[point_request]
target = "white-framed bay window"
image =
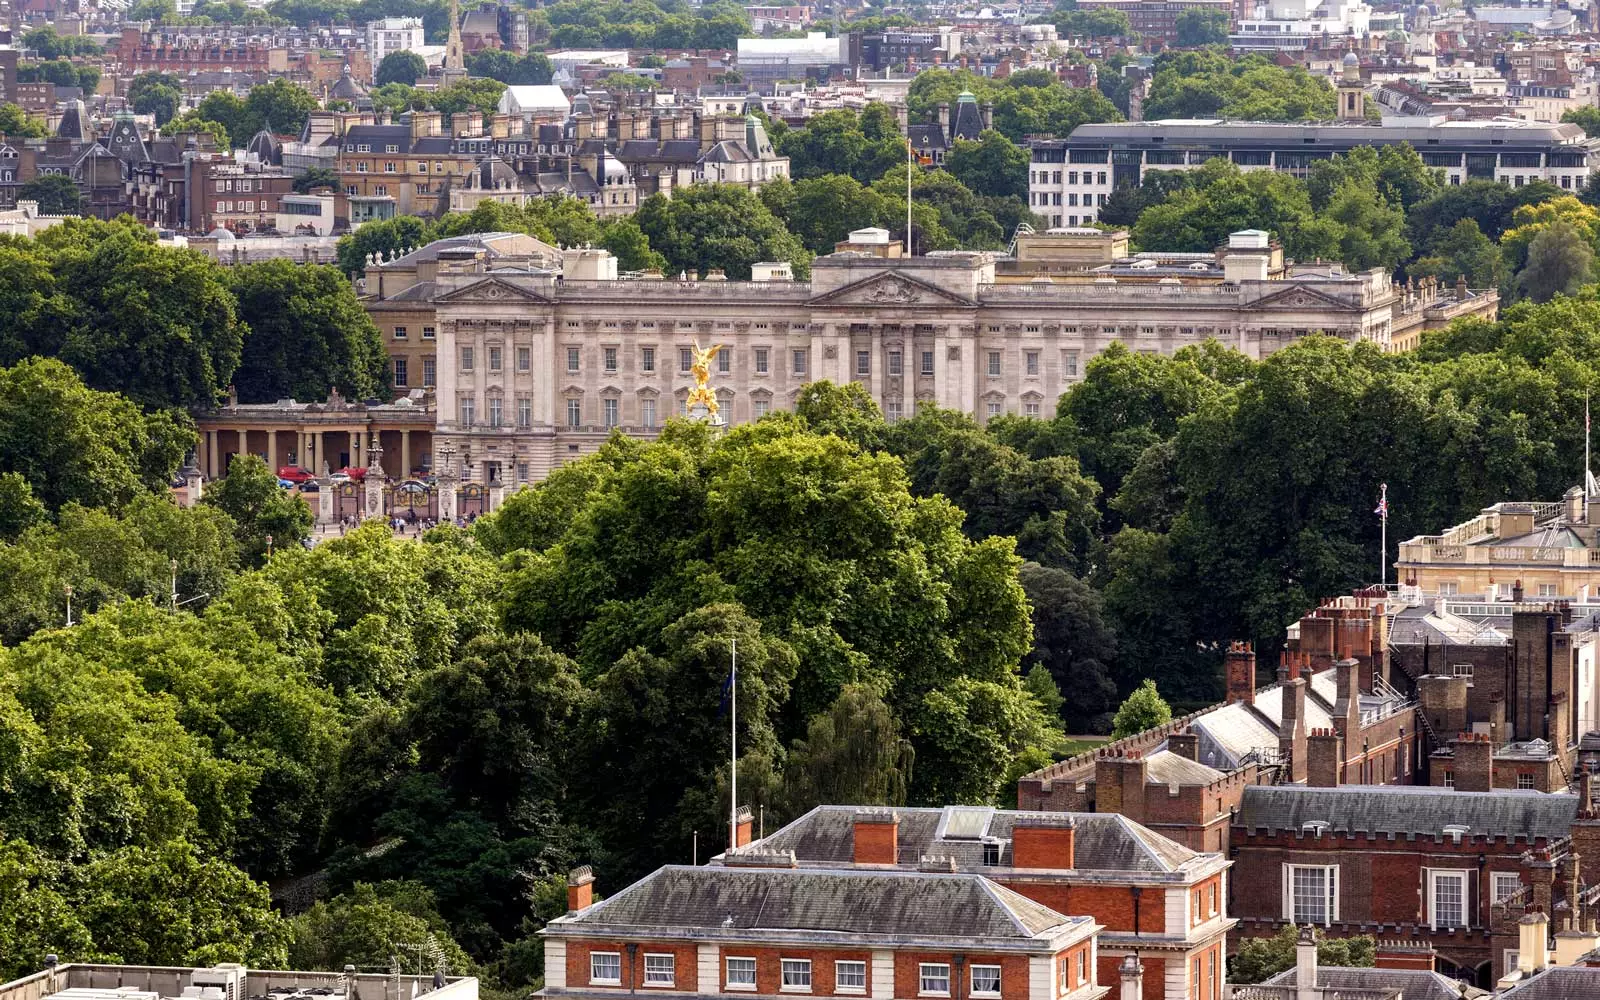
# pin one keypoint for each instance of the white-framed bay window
(1311, 894)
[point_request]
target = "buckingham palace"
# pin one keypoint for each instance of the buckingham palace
(535, 354)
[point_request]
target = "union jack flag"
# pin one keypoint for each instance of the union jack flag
(1382, 510)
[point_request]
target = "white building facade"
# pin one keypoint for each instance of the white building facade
(393, 34)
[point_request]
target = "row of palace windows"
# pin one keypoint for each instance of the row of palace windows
(611, 415)
(849, 976)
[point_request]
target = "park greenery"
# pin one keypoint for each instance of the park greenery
(435, 730)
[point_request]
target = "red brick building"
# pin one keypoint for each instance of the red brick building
(1158, 901)
(1451, 869)
(761, 924)
(1330, 719)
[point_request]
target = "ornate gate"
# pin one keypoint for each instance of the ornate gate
(411, 500)
(472, 499)
(346, 500)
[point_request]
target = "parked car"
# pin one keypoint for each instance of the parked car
(296, 473)
(354, 472)
(286, 484)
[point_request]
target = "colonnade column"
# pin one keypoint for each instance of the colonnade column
(405, 454)
(272, 449)
(244, 443)
(213, 467)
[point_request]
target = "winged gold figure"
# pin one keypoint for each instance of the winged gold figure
(701, 370)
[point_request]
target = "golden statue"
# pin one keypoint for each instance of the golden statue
(701, 369)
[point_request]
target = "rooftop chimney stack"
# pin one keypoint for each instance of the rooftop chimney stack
(580, 889)
(877, 837)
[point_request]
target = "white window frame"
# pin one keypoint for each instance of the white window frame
(1510, 881)
(1434, 877)
(727, 974)
(605, 980)
(1525, 781)
(924, 976)
(974, 981)
(671, 970)
(1331, 904)
(857, 967)
(792, 969)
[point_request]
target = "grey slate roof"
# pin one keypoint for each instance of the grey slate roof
(1102, 841)
(1408, 809)
(903, 904)
(1559, 983)
(1415, 984)
(1168, 768)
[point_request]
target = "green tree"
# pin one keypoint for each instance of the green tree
(1198, 26)
(157, 94)
(627, 242)
(388, 237)
(229, 111)
(1560, 262)
(260, 509)
(1371, 233)
(276, 106)
(1463, 252)
(508, 67)
(16, 124)
(403, 66)
(853, 754)
(57, 194)
(1072, 641)
(1141, 710)
(316, 177)
(36, 918)
(847, 410)
(169, 905)
(993, 165)
(1259, 959)
(155, 323)
(822, 211)
(1222, 199)
(367, 925)
(1586, 118)
(190, 121)
(1210, 84)
(723, 226)
(73, 444)
(841, 142)
(307, 332)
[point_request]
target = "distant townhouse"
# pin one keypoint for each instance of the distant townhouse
(763, 926)
(1070, 179)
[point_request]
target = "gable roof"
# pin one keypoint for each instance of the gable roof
(1101, 842)
(738, 901)
(1408, 809)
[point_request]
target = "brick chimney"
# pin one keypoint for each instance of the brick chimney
(877, 837)
(1119, 783)
(1324, 758)
(1347, 699)
(1185, 744)
(580, 889)
(1240, 668)
(743, 824)
(1043, 841)
(1473, 763)
(1316, 641)
(1292, 730)
(1497, 718)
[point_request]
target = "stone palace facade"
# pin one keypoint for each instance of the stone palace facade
(534, 358)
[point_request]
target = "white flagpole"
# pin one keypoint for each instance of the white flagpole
(909, 159)
(1383, 537)
(733, 749)
(1586, 445)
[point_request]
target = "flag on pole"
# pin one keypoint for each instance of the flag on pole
(1382, 510)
